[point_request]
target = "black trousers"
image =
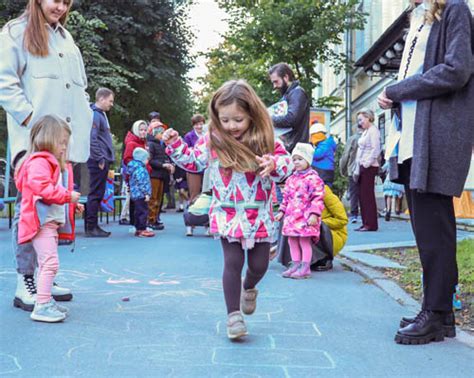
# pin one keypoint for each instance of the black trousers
(140, 209)
(434, 225)
(354, 197)
(97, 181)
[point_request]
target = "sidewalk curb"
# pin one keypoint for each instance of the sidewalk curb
(391, 288)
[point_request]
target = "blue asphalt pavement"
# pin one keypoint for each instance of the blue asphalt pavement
(155, 307)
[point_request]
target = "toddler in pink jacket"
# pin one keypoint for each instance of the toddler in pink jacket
(301, 207)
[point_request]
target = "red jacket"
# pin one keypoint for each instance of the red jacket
(37, 180)
(131, 142)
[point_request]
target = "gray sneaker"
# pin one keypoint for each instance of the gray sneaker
(47, 312)
(235, 325)
(248, 301)
(60, 308)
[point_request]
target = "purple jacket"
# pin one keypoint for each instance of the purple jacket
(191, 138)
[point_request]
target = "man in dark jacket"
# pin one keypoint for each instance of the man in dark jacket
(297, 116)
(101, 156)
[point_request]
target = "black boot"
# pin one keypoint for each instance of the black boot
(387, 216)
(322, 265)
(449, 324)
(96, 232)
(427, 327)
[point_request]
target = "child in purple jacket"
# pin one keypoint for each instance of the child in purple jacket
(302, 207)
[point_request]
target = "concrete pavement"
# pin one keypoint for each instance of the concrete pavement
(173, 323)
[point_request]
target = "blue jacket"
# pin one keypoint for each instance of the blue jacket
(324, 153)
(102, 148)
(139, 180)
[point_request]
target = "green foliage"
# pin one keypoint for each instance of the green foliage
(341, 183)
(265, 32)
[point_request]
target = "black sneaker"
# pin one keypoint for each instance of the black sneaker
(157, 226)
(449, 324)
(124, 222)
(427, 327)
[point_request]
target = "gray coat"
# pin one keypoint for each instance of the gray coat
(444, 123)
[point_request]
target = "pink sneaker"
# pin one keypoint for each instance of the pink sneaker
(303, 272)
(294, 265)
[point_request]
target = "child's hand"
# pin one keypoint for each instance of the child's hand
(75, 197)
(313, 220)
(170, 136)
(279, 216)
(79, 208)
(266, 163)
(147, 198)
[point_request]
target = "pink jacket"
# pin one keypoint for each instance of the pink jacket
(303, 195)
(37, 179)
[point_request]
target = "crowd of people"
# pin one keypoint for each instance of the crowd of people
(234, 172)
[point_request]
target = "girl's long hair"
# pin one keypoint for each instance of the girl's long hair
(36, 32)
(435, 11)
(257, 140)
(46, 135)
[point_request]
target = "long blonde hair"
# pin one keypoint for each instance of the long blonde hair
(435, 11)
(257, 140)
(36, 32)
(46, 134)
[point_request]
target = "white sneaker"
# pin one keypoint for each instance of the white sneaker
(25, 295)
(47, 312)
(189, 231)
(132, 230)
(60, 308)
(208, 231)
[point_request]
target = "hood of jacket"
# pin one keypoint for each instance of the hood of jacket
(21, 173)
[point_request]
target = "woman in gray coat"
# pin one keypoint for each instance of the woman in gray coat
(41, 72)
(435, 93)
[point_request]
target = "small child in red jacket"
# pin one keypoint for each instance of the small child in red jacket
(46, 185)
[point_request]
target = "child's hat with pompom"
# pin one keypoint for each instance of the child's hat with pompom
(305, 150)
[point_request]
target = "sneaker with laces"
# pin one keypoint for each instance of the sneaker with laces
(145, 234)
(60, 308)
(47, 312)
(248, 301)
(236, 327)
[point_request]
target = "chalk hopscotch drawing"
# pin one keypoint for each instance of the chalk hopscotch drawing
(9, 364)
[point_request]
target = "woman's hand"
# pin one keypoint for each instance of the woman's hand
(266, 163)
(279, 216)
(170, 136)
(383, 101)
(313, 220)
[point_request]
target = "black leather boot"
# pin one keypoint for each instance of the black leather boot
(449, 324)
(427, 327)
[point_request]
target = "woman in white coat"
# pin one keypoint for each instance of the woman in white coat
(41, 72)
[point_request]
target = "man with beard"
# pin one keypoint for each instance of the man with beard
(297, 116)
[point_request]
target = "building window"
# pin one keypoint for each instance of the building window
(382, 129)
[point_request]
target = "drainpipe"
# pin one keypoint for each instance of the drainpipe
(348, 84)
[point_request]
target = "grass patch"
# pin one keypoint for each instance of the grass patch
(410, 278)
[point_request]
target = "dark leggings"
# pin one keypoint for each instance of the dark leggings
(234, 257)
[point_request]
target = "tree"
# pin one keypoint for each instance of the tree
(265, 32)
(148, 38)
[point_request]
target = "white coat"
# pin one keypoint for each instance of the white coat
(55, 84)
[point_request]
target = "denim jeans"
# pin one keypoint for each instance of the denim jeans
(24, 253)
